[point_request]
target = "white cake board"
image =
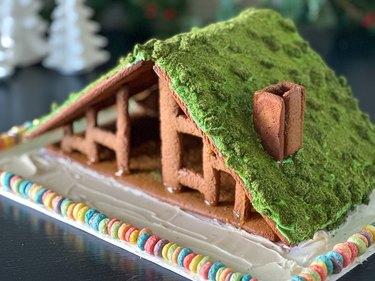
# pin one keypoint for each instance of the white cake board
(237, 249)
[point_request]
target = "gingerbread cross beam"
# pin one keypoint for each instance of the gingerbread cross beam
(278, 118)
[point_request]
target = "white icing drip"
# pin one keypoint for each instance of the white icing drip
(238, 249)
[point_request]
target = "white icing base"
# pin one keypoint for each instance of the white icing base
(241, 251)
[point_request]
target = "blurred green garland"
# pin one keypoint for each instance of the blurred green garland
(336, 13)
(166, 17)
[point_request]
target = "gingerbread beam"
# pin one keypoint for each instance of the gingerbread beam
(92, 147)
(171, 146)
(123, 131)
(184, 125)
(119, 141)
(211, 177)
(242, 204)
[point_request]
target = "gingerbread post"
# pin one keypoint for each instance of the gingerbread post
(278, 118)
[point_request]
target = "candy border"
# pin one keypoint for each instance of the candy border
(340, 257)
(142, 239)
(15, 135)
(333, 262)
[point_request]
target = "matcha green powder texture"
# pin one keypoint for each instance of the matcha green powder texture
(215, 71)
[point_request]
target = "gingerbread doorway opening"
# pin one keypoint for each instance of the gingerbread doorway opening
(192, 147)
(145, 155)
(227, 187)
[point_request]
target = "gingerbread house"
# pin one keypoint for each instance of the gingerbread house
(184, 134)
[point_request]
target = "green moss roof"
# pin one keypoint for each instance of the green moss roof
(215, 70)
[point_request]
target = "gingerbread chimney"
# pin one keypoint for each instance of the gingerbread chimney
(278, 118)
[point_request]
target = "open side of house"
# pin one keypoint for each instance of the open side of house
(188, 161)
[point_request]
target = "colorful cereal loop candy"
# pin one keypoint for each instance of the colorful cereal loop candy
(184, 252)
(57, 204)
(145, 230)
(359, 243)
(213, 270)
(128, 233)
(203, 261)
(171, 250)
(48, 200)
(2, 144)
(322, 267)
(297, 278)
(91, 222)
(205, 269)
(45, 195)
(218, 273)
(142, 239)
(193, 267)
(187, 260)
(237, 276)
(345, 252)
(151, 243)
(5, 179)
(337, 260)
(2, 174)
(362, 237)
(103, 226)
(69, 212)
(306, 276)
(370, 228)
(65, 205)
(111, 222)
(175, 255)
(114, 229)
(320, 271)
(15, 183)
(123, 230)
(89, 214)
(38, 197)
(33, 191)
(24, 187)
(4, 138)
(247, 277)
(81, 213)
(159, 248)
(310, 272)
(133, 238)
(98, 218)
(166, 250)
(225, 273)
(368, 236)
(353, 249)
(76, 209)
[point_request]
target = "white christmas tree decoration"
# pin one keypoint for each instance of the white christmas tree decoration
(6, 55)
(22, 32)
(74, 45)
(6, 62)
